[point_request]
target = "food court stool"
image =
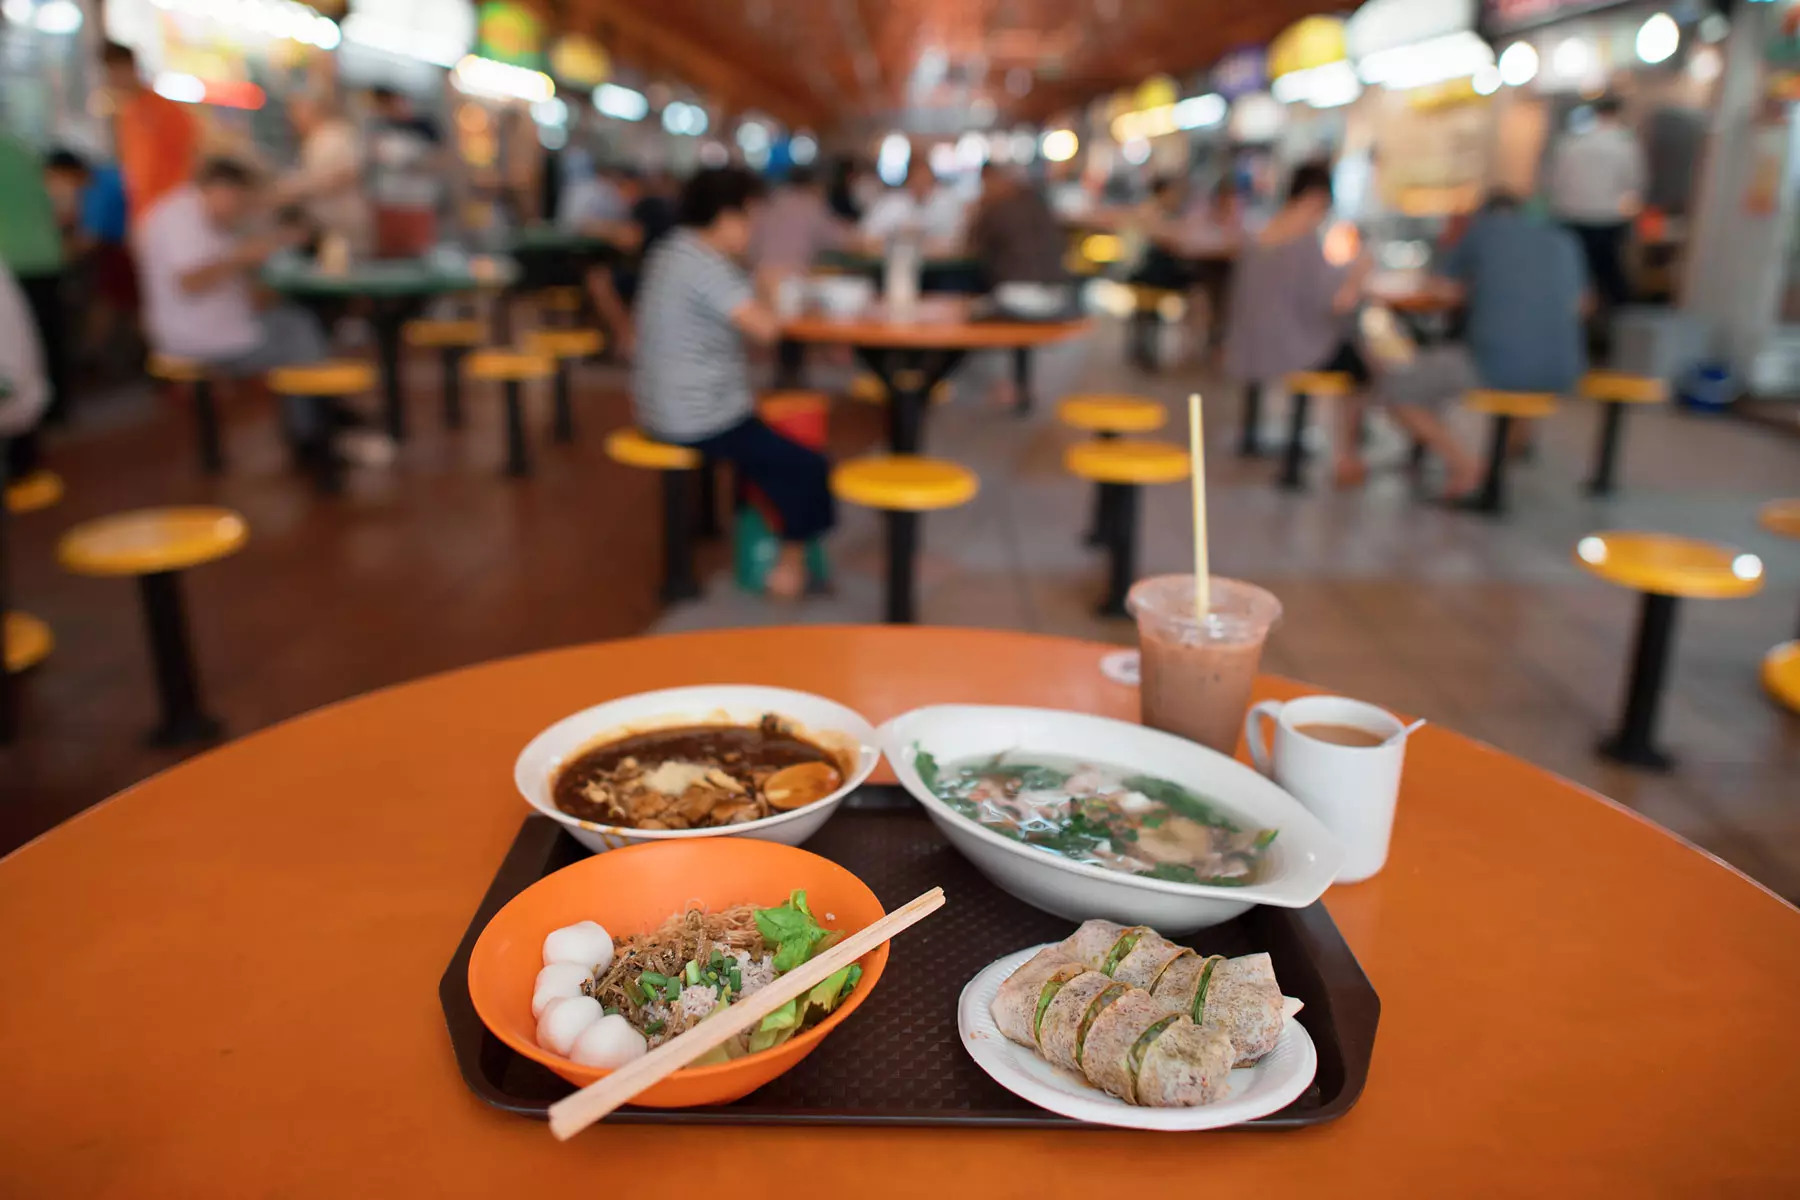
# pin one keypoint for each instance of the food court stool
(566, 301)
(1119, 468)
(452, 340)
(563, 346)
(512, 371)
(1106, 417)
(1665, 569)
(192, 373)
(1150, 307)
(679, 465)
(1302, 386)
(902, 486)
(1781, 666)
(1505, 408)
(35, 492)
(324, 381)
(1614, 391)
(25, 640)
(156, 545)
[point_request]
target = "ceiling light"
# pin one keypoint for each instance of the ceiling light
(1200, 112)
(1486, 81)
(620, 103)
(803, 149)
(1573, 58)
(1657, 38)
(1518, 64)
(1060, 145)
(1136, 151)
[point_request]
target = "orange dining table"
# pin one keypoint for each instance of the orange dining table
(912, 353)
(223, 981)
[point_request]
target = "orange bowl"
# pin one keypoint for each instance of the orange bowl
(634, 890)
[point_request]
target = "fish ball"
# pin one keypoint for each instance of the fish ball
(585, 942)
(558, 981)
(609, 1042)
(564, 1020)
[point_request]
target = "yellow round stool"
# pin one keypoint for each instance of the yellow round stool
(564, 302)
(1111, 415)
(1614, 391)
(194, 375)
(452, 340)
(28, 642)
(1781, 666)
(1118, 468)
(1301, 387)
(1504, 408)
(684, 501)
(1664, 569)
(512, 369)
(323, 382)
(902, 486)
(563, 346)
(156, 545)
(35, 492)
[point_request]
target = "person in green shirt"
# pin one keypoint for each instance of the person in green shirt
(31, 248)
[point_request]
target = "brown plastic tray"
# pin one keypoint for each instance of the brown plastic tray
(900, 1059)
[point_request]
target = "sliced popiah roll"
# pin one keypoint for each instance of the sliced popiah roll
(1020, 1003)
(1184, 981)
(1063, 1032)
(1094, 941)
(1106, 1055)
(1143, 964)
(1183, 1065)
(1243, 1000)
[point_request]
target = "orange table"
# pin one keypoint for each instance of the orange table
(223, 983)
(912, 354)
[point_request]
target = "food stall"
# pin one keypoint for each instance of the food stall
(1311, 76)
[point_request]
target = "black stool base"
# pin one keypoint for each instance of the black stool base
(678, 542)
(1249, 437)
(902, 554)
(1600, 484)
(1491, 500)
(1621, 749)
(206, 419)
(1121, 501)
(562, 429)
(518, 458)
(1290, 480)
(188, 730)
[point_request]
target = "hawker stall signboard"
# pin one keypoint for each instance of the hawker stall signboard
(509, 33)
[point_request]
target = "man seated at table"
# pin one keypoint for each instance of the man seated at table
(196, 266)
(923, 209)
(691, 380)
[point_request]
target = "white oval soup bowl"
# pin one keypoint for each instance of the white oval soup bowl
(1295, 870)
(827, 723)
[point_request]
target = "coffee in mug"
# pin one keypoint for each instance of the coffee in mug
(1340, 758)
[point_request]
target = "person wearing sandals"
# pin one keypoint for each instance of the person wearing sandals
(1293, 308)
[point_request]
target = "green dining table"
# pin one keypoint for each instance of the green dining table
(395, 290)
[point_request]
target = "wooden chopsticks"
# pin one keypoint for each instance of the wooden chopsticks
(572, 1114)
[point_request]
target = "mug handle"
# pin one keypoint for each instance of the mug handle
(1253, 734)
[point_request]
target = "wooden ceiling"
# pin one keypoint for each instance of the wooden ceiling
(921, 63)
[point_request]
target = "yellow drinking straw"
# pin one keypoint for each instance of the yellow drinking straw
(1202, 573)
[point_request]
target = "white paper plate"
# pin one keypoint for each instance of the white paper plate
(1270, 1086)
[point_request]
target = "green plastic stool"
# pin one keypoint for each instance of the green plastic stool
(753, 549)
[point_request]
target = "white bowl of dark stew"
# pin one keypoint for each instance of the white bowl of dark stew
(1085, 816)
(709, 761)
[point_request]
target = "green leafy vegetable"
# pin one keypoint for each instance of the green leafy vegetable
(1180, 801)
(1182, 873)
(927, 767)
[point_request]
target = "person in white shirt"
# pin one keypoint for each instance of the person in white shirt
(923, 208)
(1596, 188)
(194, 270)
(24, 385)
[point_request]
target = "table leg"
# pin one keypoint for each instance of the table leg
(387, 347)
(1022, 398)
(1249, 445)
(1633, 743)
(178, 692)
(1492, 499)
(563, 424)
(453, 414)
(902, 551)
(1611, 426)
(518, 461)
(790, 364)
(1289, 480)
(908, 374)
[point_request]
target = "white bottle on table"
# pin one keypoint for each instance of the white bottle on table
(900, 280)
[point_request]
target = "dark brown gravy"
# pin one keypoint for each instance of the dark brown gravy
(747, 753)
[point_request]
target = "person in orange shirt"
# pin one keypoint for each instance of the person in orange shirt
(158, 140)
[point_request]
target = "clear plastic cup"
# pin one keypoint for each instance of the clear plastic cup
(1196, 677)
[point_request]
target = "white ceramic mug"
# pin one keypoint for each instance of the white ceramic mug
(1352, 789)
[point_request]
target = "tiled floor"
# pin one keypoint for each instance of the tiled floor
(1487, 627)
